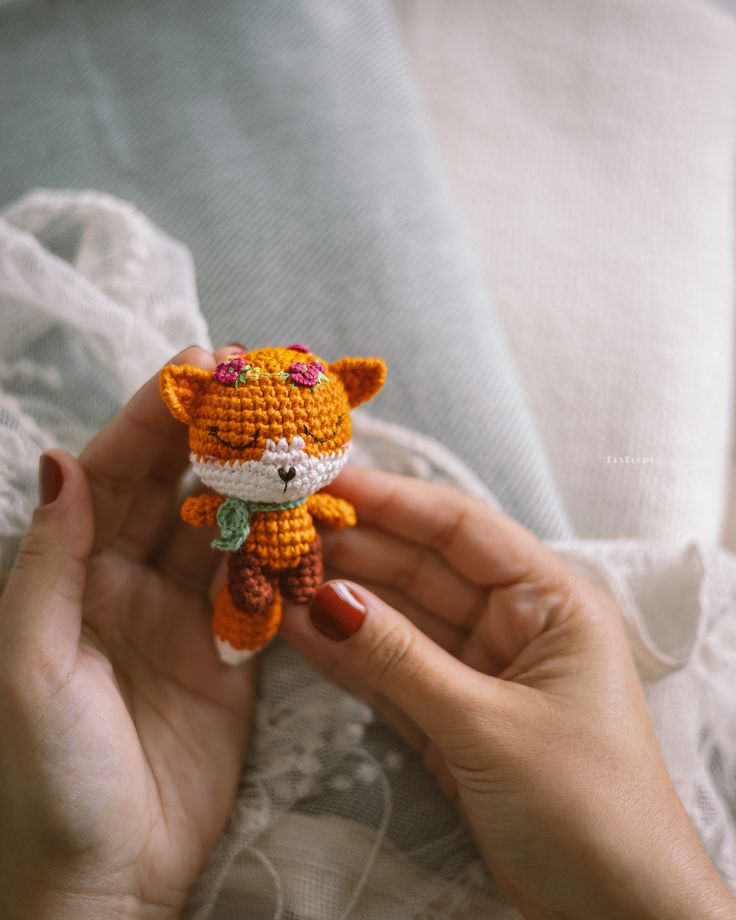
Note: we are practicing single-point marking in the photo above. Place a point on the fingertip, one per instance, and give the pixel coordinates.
(42, 598)
(195, 355)
(50, 479)
(347, 480)
(336, 613)
(225, 351)
(62, 471)
(64, 491)
(337, 610)
(348, 472)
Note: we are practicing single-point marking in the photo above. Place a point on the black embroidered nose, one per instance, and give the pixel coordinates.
(287, 475)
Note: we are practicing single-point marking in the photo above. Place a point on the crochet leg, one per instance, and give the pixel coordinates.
(300, 583)
(239, 635)
(250, 589)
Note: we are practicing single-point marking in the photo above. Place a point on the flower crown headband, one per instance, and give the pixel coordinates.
(236, 371)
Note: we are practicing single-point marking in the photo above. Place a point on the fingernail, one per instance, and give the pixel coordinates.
(235, 347)
(336, 612)
(50, 479)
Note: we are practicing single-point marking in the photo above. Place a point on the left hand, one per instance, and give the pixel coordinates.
(123, 734)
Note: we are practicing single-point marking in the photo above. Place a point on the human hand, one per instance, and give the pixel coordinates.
(511, 675)
(122, 733)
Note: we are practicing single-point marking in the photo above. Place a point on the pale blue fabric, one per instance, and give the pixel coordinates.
(284, 142)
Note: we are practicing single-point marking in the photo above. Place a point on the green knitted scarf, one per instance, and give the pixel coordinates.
(233, 517)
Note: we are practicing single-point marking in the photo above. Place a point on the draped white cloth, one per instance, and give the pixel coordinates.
(593, 150)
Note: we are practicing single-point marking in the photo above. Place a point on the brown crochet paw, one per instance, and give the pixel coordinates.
(251, 590)
(300, 583)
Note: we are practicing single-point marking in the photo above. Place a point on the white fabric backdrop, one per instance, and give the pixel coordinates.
(593, 149)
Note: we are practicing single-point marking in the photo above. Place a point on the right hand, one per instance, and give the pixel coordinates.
(512, 676)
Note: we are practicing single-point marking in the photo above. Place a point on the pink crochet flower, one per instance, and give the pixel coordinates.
(307, 375)
(297, 346)
(228, 372)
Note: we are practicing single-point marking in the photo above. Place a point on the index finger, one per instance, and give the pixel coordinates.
(480, 542)
(143, 439)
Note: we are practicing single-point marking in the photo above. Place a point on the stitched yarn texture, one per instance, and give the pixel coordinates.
(234, 520)
(267, 429)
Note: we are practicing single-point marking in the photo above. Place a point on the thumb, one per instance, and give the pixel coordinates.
(41, 607)
(373, 650)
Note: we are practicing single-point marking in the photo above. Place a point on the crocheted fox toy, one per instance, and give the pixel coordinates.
(268, 429)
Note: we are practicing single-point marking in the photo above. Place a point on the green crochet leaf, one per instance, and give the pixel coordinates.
(233, 518)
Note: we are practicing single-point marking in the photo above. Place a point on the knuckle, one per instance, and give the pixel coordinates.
(12, 688)
(36, 547)
(601, 616)
(391, 653)
(18, 699)
(594, 605)
(445, 534)
(28, 685)
(43, 565)
(409, 573)
(114, 484)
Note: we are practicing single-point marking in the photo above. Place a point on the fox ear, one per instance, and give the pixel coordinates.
(181, 385)
(361, 377)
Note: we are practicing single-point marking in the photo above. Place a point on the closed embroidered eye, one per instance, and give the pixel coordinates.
(329, 437)
(215, 432)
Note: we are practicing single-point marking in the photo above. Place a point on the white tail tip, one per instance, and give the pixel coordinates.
(230, 655)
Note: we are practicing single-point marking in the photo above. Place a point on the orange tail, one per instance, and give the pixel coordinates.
(239, 635)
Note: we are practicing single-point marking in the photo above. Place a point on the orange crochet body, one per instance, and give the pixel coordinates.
(268, 429)
(280, 539)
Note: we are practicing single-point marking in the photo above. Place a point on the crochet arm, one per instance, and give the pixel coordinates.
(201, 510)
(331, 511)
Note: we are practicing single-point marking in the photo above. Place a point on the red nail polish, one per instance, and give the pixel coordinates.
(336, 612)
(50, 479)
